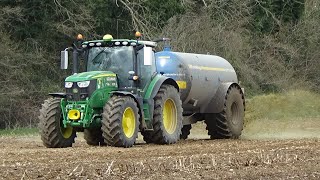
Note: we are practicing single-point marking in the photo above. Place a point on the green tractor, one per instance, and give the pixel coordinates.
(118, 94)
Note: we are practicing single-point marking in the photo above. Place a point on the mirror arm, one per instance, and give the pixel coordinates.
(139, 47)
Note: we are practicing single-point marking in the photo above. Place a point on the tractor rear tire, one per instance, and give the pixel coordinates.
(120, 121)
(228, 124)
(167, 117)
(93, 136)
(185, 131)
(53, 134)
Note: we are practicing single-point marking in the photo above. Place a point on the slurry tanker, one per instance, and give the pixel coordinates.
(123, 86)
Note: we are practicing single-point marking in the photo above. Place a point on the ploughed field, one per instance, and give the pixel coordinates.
(196, 158)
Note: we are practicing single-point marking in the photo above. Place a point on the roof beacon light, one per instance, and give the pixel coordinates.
(107, 37)
(79, 37)
(138, 34)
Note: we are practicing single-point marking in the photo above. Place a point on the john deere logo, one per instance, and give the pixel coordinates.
(75, 90)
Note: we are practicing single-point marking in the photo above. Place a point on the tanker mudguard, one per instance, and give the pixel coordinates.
(216, 104)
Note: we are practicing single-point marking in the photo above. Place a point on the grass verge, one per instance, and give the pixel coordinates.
(19, 132)
(294, 114)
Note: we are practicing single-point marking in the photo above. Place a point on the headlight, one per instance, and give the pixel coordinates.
(68, 84)
(111, 79)
(83, 84)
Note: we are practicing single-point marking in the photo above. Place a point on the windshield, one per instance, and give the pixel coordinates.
(108, 58)
(118, 59)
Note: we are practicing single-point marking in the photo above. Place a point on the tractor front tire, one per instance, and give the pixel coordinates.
(93, 136)
(228, 124)
(167, 117)
(53, 134)
(120, 121)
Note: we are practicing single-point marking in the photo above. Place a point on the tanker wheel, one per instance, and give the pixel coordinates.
(167, 117)
(228, 123)
(93, 136)
(185, 131)
(53, 133)
(120, 121)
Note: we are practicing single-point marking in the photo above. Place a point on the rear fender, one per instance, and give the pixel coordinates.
(152, 91)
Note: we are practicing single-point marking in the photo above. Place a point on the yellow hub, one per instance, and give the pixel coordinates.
(66, 132)
(170, 116)
(128, 122)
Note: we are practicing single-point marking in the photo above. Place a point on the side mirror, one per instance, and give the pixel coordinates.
(148, 56)
(64, 59)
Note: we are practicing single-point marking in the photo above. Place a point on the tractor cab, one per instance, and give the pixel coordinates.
(132, 61)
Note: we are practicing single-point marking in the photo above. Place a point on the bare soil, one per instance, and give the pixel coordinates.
(195, 158)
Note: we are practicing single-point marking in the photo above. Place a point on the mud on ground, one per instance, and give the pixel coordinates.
(273, 152)
(196, 158)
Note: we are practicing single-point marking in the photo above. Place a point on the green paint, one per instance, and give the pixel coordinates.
(147, 115)
(87, 76)
(149, 88)
(92, 107)
(87, 114)
(146, 108)
(99, 98)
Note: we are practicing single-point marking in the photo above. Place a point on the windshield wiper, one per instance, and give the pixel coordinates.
(98, 55)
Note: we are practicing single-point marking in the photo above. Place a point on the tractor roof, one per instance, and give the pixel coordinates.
(117, 42)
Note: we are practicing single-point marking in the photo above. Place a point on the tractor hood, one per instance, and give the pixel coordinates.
(87, 76)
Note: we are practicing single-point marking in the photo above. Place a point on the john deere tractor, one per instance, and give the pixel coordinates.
(127, 87)
(119, 94)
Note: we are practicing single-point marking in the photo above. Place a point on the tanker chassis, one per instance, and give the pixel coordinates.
(127, 87)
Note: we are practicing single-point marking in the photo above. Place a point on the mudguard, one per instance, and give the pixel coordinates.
(137, 99)
(216, 104)
(163, 80)
(152, 91)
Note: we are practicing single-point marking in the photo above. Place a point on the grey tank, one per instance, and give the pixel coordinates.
(198, 76)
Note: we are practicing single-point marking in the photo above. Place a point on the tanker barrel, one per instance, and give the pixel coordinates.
(198, 76)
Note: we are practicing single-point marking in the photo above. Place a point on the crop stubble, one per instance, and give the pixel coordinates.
(25, 157)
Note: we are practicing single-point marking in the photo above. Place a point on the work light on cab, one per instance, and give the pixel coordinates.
(137, 34)
(79, 37)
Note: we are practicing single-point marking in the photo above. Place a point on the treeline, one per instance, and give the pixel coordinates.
(273, 44)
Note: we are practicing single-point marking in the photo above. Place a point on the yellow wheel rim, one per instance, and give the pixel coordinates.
(66, 132)
(170, 116)
(128, 122)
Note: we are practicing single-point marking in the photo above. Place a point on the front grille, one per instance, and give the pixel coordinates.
(75, 93)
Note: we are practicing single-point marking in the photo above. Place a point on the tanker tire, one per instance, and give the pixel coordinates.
(112, 117)
(50, 122)
(229, 123)
(160, 134)
(93, 136)
(185, 131)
